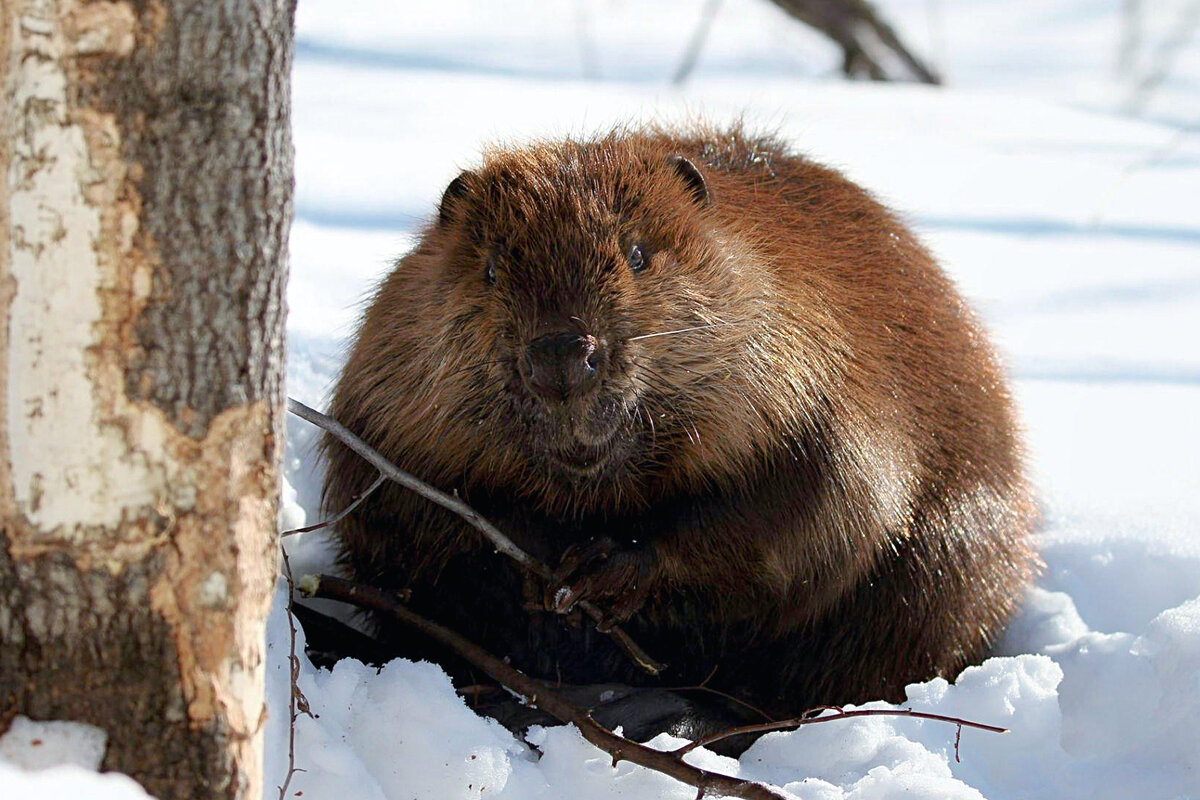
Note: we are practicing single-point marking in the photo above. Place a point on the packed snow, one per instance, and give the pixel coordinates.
(1062, 195)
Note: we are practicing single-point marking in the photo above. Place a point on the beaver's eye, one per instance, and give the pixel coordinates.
(637, 261)
(489, 272)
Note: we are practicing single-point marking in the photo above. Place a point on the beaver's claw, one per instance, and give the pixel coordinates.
(618, 578)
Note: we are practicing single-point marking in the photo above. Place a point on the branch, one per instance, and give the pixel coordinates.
(858, 28)
(297, 702)
(704, 687)
(452, 503)
(809, 718)
(538, 693)
(345, 512)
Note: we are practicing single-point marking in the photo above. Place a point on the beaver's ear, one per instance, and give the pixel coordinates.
(458, 189)
(692, 177)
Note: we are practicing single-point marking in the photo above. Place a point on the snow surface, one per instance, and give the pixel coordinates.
(1071, 222)
(51, 760)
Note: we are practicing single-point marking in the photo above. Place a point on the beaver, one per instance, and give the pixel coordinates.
(723, 389)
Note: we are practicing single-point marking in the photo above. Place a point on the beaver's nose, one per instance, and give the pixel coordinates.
(561, 365)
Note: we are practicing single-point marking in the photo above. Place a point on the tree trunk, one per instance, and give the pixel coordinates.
(144, 215)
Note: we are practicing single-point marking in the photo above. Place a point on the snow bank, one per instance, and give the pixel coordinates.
(58, 761)
(1096, 716)
(67, 783)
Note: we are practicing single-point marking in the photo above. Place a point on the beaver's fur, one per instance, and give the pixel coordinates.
(811, 481)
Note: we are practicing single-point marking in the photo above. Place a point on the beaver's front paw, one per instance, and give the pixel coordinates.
(617, 578)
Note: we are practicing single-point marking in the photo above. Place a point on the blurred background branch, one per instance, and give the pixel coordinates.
(870, 47)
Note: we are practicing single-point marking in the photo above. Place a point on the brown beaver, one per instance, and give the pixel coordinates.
(719, 385)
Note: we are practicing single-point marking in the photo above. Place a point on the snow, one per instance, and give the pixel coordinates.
(1072, 224)
(67, 783)
(35, 745)
(58, 761)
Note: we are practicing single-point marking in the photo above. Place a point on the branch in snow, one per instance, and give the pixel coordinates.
(810, 718)
(549, 699)
(539, 694)
(502, 543)
(297, 702)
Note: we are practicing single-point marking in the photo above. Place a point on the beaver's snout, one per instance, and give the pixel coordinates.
(560, 366)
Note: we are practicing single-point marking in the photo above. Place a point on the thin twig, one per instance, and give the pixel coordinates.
(338, 517)
(295, 696)
(807, 718)
(501, 542)
(538, 693)
(704, 687)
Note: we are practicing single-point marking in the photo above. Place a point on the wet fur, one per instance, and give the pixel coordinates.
(828, 483)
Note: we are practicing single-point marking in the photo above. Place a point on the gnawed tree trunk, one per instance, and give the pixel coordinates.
(144, 214)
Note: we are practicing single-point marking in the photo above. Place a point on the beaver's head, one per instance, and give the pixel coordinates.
(566, 325)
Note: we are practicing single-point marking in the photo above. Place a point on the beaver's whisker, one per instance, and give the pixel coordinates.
(684, 330)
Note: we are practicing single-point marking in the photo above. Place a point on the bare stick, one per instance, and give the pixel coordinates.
(345, 512)
(539, 694)
(809, 718)
(295, 696)
(501, 542)
(704, 687)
